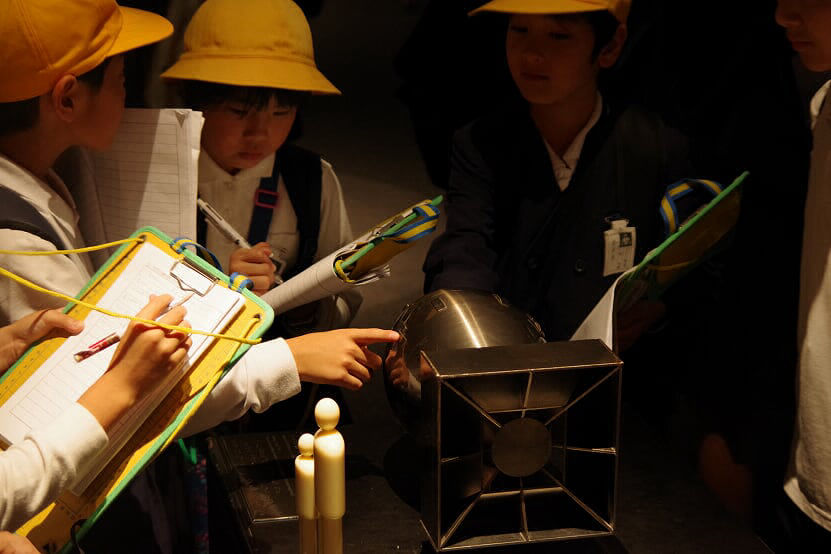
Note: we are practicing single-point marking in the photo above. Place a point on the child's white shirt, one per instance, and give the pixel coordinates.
(564, 165)
(233, 197)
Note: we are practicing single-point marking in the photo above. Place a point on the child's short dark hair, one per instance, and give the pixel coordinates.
(604, 25)
(23, 114)
(202, 94)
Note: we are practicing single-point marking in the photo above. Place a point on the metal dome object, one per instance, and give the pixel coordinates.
(446, 320)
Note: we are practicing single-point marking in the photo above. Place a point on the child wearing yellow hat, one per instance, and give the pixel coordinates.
(248, 67)
(534, 187)
(62, 86)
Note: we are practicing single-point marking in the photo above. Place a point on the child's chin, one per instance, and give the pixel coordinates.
(247, 162)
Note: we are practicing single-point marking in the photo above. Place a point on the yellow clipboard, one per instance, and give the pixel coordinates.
(50, 529)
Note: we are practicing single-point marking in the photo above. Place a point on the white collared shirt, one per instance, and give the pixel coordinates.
(233, 197)
(564, 165)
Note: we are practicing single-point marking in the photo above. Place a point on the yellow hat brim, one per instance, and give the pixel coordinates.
(538, 7)
(139, 28)
(251, 71)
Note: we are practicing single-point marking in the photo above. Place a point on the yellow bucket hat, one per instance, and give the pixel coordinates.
(618, 8)
(44, 39)
(256, 43)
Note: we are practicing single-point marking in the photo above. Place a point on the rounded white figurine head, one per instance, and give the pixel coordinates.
(306, 444)
(327, 414)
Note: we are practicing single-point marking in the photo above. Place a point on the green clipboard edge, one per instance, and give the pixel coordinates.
(351, 260)
(257, 332)
(641, 267)
(268, 319)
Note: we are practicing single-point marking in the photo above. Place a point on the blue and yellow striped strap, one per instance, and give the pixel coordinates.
(423, 225)
(238, 281)
(180, 243)
(678, 190)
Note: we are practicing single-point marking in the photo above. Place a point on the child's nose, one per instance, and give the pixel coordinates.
(532, 53)
(257, 124)
(786, 15)
(533, 50)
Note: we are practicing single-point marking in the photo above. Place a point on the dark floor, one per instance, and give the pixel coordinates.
(366, 135)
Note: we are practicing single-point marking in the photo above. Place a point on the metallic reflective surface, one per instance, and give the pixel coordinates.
(446, 320)
(519, 444)
(521, 447)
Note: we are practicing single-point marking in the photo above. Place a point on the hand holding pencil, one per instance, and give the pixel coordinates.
(145, 356)
(113, 338)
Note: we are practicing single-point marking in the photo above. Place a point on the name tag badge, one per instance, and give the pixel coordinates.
(620, 243)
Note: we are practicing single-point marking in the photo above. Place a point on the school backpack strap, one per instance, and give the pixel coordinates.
(201, 227)
(265, 200)
(302, 176)
(19, 215)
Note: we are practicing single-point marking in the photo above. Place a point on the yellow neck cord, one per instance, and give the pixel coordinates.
(38, 288)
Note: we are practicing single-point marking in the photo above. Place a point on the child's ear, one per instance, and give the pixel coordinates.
(611, 52)
(64, 98)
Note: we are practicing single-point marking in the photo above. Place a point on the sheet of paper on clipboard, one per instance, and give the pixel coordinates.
(61, 380)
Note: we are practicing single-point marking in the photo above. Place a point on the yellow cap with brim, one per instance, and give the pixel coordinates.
(45, 39)
(256, 43)
(618, 8)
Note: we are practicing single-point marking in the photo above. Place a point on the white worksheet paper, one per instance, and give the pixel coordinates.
(149, 174)
(61, 380)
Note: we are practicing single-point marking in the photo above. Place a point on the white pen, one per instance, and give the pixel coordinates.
(219, 223)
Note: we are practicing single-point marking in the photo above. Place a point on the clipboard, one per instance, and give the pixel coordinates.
(50, 529)
(389, 238)
(694, 241)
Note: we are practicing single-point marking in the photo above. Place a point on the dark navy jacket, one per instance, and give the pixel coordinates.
(510, 230)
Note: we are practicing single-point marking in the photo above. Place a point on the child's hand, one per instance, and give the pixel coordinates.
(17, 337)
(637, 320)
(11, 543)
(255, 264)
(146, 354)
(339, 357)
(145, 357)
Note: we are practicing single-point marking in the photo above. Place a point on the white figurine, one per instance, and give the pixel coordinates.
(330, 476)
(304, 478)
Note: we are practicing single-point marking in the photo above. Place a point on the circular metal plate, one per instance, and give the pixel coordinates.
(521, 447)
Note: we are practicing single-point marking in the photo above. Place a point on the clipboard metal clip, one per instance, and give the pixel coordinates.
(191, 277)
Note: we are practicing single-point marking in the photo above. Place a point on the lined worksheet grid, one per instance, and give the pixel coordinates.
(61, 380)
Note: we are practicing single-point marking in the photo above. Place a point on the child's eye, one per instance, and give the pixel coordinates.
(559, 36)
(239, 112)
(281, 113)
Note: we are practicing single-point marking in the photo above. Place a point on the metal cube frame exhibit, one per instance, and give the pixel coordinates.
(519, 444)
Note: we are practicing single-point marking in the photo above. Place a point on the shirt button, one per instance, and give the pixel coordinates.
(533, 264)
(579, 266)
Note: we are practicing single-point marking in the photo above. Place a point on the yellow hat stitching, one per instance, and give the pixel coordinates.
(618, 8)
(44, 39)
(259, 43)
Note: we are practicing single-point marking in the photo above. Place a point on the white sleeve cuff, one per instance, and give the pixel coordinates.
(36, 470)
(265, 375)
(272, 374)
(75, 436)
